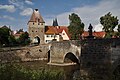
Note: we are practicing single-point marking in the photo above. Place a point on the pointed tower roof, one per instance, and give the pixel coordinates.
(36, 17)
(55, 23)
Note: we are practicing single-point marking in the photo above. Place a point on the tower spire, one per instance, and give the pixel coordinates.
(36, 17)
(55, 23)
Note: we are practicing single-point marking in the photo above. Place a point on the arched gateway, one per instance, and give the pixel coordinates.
(36, 40)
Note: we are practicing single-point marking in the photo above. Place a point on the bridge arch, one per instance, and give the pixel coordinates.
(70, 57)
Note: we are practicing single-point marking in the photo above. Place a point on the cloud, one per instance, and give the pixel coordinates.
(98, 27)
(17, 3)
(92, 13)
(7, 17)
(20, 3)
(28, 2)
(9, 8)
(27, 12)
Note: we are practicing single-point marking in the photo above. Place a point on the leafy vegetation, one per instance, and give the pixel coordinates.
(76, 26)
(17, 72)
(8, 39)
(4, 35)
(109, 22)
(24, 39)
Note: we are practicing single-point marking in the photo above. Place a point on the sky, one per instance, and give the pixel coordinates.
(16, 13)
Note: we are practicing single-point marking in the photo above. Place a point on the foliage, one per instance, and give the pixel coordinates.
(118, 33)
(118, 28)
(24, 39)
(17, 72)
(76, 26)
(7, 39)
(4, 36)
(109, 22)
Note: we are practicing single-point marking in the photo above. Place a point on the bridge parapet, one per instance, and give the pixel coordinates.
(59, 50)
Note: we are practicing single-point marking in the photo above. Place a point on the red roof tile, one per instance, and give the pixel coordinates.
(56, 29)
(51, 30)
(96, 34)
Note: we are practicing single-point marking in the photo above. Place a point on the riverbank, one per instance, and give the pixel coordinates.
(16, 72)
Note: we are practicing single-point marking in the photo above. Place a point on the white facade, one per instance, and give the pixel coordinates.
(64, 35)
(49, 37)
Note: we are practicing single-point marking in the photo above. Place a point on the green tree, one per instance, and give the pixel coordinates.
(109, 22)
(76, 26)
(118, 28)
(117, 34)
(24, 39)
(4, 36)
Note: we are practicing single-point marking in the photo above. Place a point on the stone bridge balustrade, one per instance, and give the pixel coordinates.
(59, 50)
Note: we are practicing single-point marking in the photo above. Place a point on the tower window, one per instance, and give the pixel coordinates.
(33, 23)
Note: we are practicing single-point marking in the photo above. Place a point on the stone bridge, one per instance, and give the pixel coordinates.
(60, 51)
(97, 56)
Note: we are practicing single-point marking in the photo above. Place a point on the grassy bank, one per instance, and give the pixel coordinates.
(17, 72)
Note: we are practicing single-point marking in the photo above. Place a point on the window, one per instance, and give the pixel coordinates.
(47, 35)
(52, 35)
(47, 41)
(32, 31)
(33, 23)
(63, 33)
(41, 23)
(38, 23)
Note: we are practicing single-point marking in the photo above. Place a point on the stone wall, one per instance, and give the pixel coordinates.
(24, 53)
(98, 55)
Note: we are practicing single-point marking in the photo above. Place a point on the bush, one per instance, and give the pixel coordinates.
(17, 72)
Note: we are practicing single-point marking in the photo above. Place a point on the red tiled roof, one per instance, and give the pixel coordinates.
(56, 29)
(18, 34)
(51, 30)
(96, 34)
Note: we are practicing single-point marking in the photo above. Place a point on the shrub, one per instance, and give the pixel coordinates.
(17, 72)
